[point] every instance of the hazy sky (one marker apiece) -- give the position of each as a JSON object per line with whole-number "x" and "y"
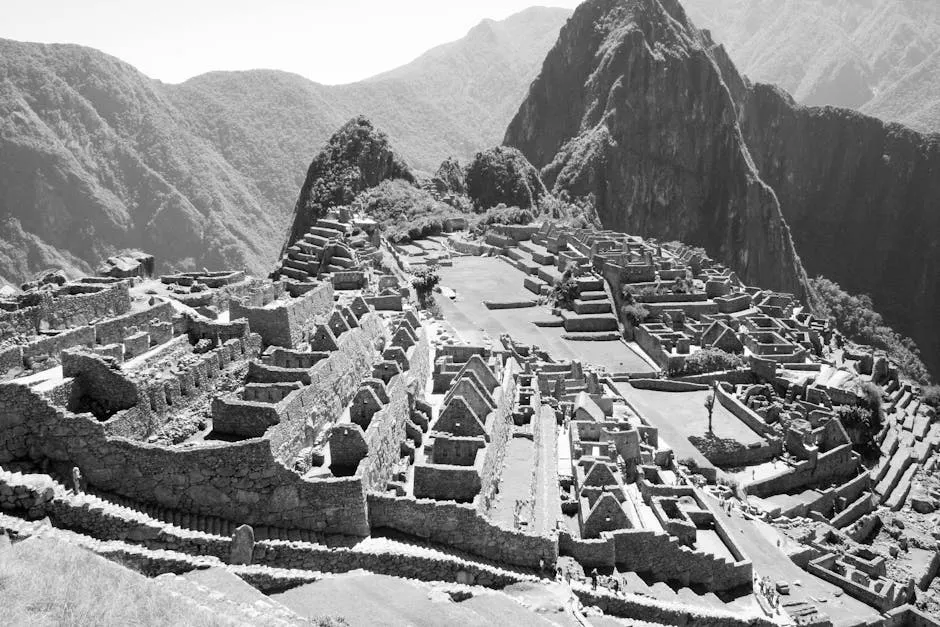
{"x": 329, "y": 41}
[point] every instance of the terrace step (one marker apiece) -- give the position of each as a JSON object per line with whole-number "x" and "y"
{"x": 589, "y": 322}
{"x": 592, "y": 306}
{"x": 590, "y": 284}
{"x": 340, "y": 227}
{"x": 303, "y": 266}
{"x": 325, "y": 232}
{"x": 316, "y": 240}
{"x": 299, "y": 275}
{"x": 534, "y": 284}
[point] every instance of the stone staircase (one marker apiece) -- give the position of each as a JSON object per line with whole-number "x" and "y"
{"x": 635, "y": 584}
{"x": 323, "y": 249}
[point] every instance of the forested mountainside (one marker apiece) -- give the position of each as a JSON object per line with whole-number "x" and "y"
{"x": 95, "y": 157}
{"x": 879, "y": 56}
{"x": 862, "y": 199}
{"x": 630, "y": 107}
{"x": 638, "y": 108}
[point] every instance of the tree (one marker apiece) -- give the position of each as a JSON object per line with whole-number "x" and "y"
{"x": 710, "y": 406}
{"x": 424, "y": 282}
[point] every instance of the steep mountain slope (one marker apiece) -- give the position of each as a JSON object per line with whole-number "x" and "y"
{"x": 357, "y": 157}
{"x": 96, "y": 157}
{"x": 862, "y": 198}
{"x": 850, "y": 53}
{"x": 632, "y": 108}
{"x": 638, "y": 108}
{"x": 93, "y": 158}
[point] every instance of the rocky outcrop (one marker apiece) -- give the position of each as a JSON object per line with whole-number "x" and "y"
{"x": 632, "y": 108}
{"x": 357, "y": 157}
{"x": 862, "y": 198}
{"x": 503, "y": 175}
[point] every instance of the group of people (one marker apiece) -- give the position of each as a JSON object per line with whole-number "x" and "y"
{"x": 610, "y": 583}
{"x": 768, "y": 589}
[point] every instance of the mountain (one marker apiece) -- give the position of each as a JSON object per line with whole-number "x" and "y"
{"x": 358, "y": 156}
{"x": 862, "y": 198}
{"x": 95, "y": 157}
{"x": 640, "y": 109}
{"x": 631, "y": 108}
{"x": 872, "y": 55}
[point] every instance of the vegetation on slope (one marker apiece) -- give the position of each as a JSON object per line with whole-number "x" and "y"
{"x": 403, "y": 211}
{"x": 358, "y": 156}
{"x": 96, "y": 157}
{"x": 873, "y": 55}
{"x": 502, "y": 175}
{"x": 45, "y": 582}
{"x": 855, "y": 317}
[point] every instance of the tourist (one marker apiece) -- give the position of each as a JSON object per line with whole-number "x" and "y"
{"x": 594, "y": 579}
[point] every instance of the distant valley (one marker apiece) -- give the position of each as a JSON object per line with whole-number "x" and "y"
{"x": 95, "y": 157}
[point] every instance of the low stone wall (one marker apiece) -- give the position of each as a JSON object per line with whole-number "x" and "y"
{"x": 641, "y": 608}
{"x": 743, "y": 413}
{"x": 281, "y": 554}
{"x": 667, "y": 385}
{"x": 240, "y": 482}
{"x": 461, "y": 527}
{"x": 385, "y": 303}
{"x": 853, "y": 511}
{"x": 734, "y": 377}
{"x": 30, "y": 495}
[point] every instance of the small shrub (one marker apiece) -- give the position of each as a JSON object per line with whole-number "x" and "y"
{"x": 565, "y": 292}
{"x": 856, "y": 318}
{"x": 708, "y": 360}
{"x": 634, "y": 314}
{"x": 931, "y": 396}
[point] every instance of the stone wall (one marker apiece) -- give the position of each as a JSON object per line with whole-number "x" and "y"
{"x": 500, "y": 435}
{"x": 111, "y": 331}
{"x": 743, "y": 413}
{"x": 839, "y": 463}
{"x": 10, "y": 358}
{"x": 101, "y": 301}
{"x": 331, "y": 385}
{"x": 667, "y": 385}
{"x": 641, "y": 608}
{"x": 663, "y": 557}
{"x": 448, "y": 482}
{"x": 387, "y": 430}
{"x": 461, "y": 527}
{"x": 283, "y": 323}
{"x": 241, "y": 482}
{"x": 53, "y": 345}
{"x": 25, "y": 321}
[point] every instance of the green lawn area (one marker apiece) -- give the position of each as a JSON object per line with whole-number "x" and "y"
{"x": 476, "y": 279}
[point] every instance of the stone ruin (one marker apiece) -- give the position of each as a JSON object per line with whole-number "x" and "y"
{"x": 278, "y": 422}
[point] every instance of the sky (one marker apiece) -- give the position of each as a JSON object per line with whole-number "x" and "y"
{"x": 328, "y": 41}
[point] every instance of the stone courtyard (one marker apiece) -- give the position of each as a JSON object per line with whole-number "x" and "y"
{"x": 530, "y": 428}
